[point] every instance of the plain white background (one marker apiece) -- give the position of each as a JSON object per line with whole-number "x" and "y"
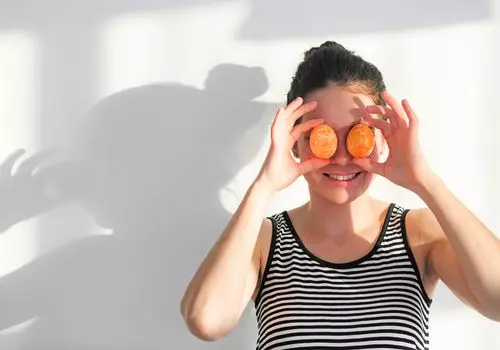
{"x": 144, "y": 122}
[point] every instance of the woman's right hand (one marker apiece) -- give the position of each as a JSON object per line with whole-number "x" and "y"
{"x": 280, "y": 169}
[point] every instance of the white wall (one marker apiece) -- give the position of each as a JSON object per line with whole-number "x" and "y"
{"x": 157, "y": 115}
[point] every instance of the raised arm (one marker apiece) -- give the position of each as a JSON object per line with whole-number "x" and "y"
{"x": 228, "y": 277}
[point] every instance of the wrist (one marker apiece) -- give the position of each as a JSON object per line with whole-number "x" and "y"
{"x": 428, "y": 186}
{"x": 263, "y": 188}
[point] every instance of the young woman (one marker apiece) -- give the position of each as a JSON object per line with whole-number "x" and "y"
{"x": 344, "y": 270}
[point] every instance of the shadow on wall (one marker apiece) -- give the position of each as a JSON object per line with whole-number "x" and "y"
{"x": 151, "y": 161}
{"x": 37, "y": 14}
{"x": 25, "y": 187}
{"x": 324, "y": 17}
{"x": 156, "y": 189}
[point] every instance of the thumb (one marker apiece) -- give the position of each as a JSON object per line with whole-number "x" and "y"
{"x": 370, "y": 165}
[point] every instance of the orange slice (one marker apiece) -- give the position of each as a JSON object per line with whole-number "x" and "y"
{"x": 323, "y": 141}
{"x": 360, "y": 141}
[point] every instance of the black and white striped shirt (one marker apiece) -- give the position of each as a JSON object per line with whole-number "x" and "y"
{"x": 375, "y": 302}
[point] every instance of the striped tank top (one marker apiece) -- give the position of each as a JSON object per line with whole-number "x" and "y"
{"x": 375, "y": 302}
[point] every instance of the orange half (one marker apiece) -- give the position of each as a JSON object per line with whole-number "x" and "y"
{"x": 360, "y": 141}
{"x": 323, "y": 141}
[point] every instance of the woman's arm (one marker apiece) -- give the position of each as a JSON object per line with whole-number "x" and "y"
{"x": 465, "y": 254}
{"x": 226, "y": 280}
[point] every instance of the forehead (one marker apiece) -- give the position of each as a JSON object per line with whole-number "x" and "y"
{"x": 338, "y": 106}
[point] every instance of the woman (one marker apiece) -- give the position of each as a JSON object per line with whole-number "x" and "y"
{"x": 344, "y": 270}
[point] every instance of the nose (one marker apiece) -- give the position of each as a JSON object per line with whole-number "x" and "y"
{"x": 341, "y": 156}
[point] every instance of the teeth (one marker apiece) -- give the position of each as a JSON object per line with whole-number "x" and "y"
{"x": 341, "y": 177}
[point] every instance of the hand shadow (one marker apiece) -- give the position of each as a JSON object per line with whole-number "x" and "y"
{"x": 154, "y": 159}
{"x": 29, "y": 190}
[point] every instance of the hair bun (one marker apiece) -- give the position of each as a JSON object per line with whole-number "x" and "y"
{"x": 327, "y": 45}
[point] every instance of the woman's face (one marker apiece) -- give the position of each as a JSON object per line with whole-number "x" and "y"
{"x": 341, "y": 181}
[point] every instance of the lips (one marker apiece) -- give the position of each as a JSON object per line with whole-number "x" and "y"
{"x": 342, "y": 177}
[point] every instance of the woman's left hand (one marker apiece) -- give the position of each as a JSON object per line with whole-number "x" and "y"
{"x": 405, "y": 165}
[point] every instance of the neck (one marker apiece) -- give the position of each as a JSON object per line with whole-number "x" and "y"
{"x": 331, "y": 219}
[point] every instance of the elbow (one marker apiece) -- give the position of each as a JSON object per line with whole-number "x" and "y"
{"x": 496, "y": 318}
{"x": 494, "y": 313}
{"x": 203, "y": 329}
{"x": 491, "y": 310}
{"x": 493, "y": 306}
{"x": 202, "y": 326}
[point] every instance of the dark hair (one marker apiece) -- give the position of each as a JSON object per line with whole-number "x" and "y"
{"x": 332, "y": 63}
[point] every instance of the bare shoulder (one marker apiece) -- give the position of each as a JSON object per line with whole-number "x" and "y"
{"x": 442, "y": 261}
{"x": 422, "y": 223}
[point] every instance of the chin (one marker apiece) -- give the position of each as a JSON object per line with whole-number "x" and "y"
{"x": 338, "y": 191}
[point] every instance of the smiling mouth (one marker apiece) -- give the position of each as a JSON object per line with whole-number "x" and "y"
{"x": 348, "y": 177}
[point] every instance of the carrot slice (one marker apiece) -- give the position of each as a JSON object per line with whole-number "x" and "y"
{"x": 323, "y": 141}
{"x": 360, "y": 141}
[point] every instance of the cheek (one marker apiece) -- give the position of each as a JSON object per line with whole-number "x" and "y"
{"x": 303, "y": 149}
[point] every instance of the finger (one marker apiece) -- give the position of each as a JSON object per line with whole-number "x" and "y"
{"x": 370, "y": 165}
{"x": 292, "y": 106}
{"x": 412, "y": 116}
{"x": 401, "y": 116}
{"x": 311, "y": 165}
{"x": 387, "y": 114}
{"x": 413, "y": 119}
{"x": 303, "y": 127}
{"x": 8, "y": 164}
{"x": 278, "y": 127}
{"x": 279, "y": 112}
{"x": 299, "y": 112}
{"x": 27, "y": 167}
{"x": 380, "y": 124}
